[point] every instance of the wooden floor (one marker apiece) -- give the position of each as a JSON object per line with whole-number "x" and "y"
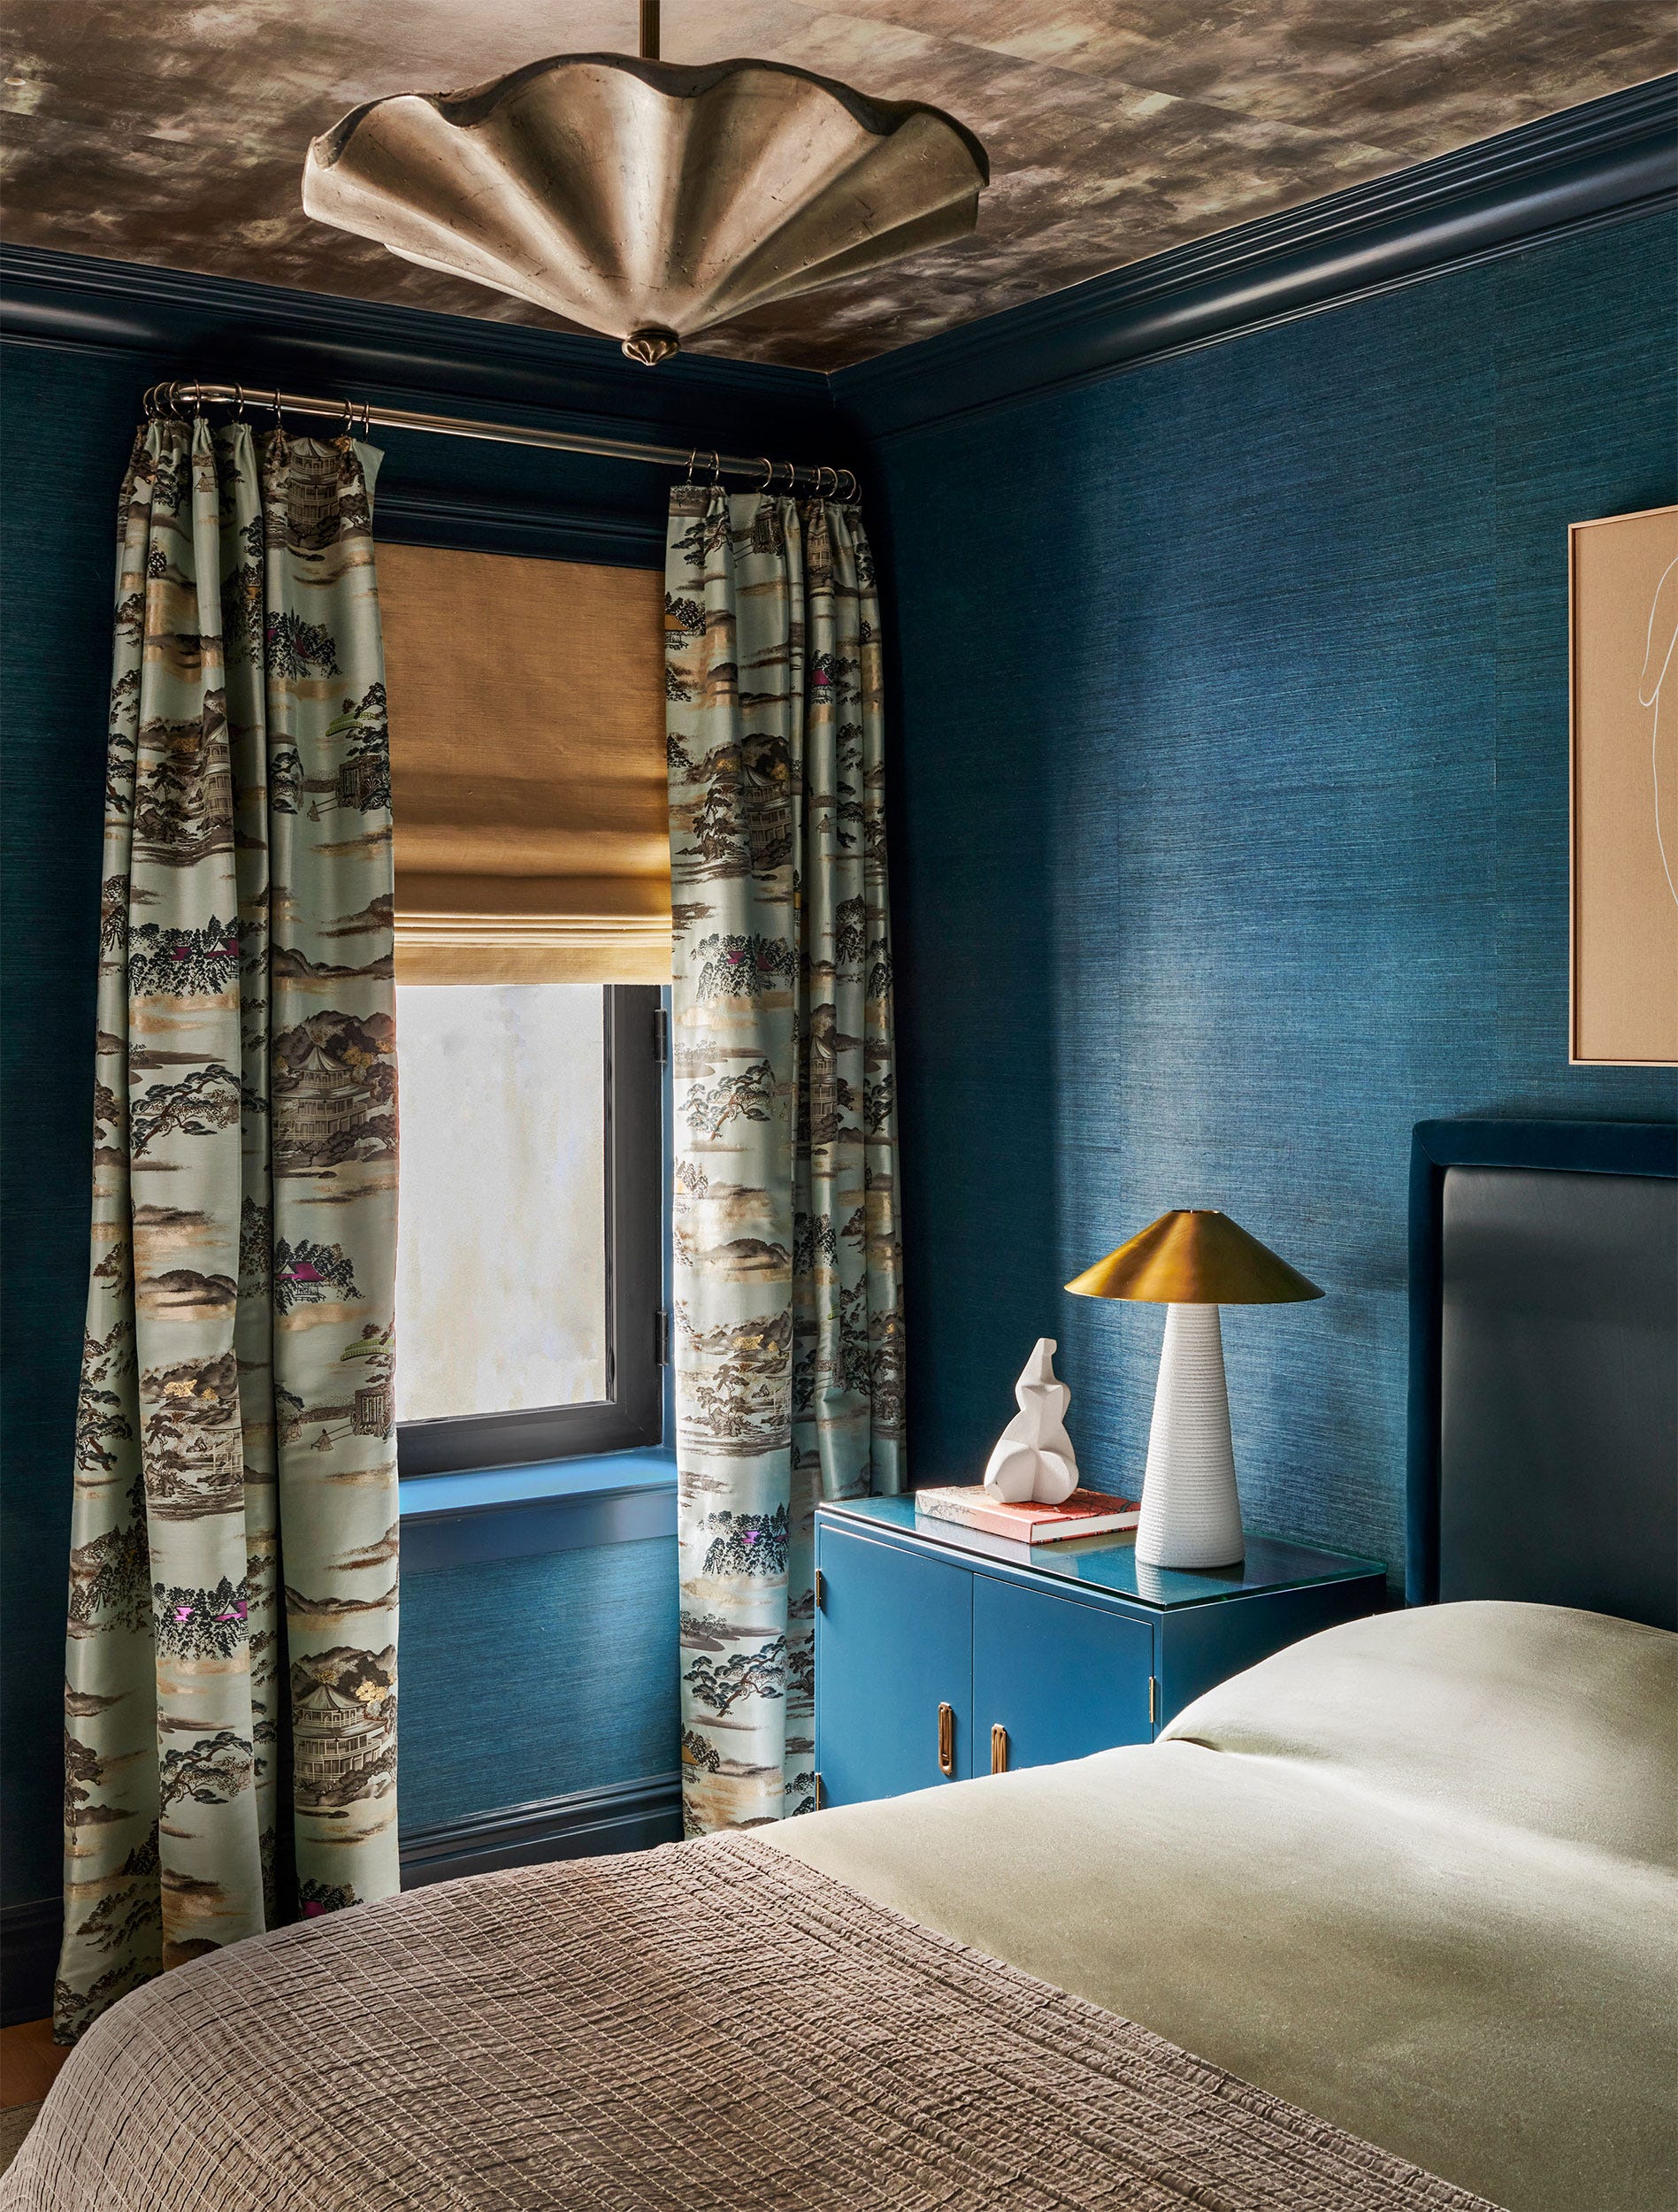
{"x": 29, "y": 2062}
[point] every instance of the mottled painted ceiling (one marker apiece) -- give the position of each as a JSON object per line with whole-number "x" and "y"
{"x": 168, "y": 132}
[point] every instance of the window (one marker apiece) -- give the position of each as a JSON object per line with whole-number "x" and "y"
{"x": 528, "y": 1254}
{"x": 531, "y": 810}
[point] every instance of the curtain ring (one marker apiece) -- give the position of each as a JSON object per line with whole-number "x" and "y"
{"x": 693, "y": 457}
{"x": 717, "y": 469}
{"x": 821, "y": 490}
{"x": 849, "y": 497}
{"x": 348, "y": 430}
{"x": 767, "y": 466}
{"x": 366, "y": 419}
{"x": 239, "y": 403}
{"x": 280, "y": 420}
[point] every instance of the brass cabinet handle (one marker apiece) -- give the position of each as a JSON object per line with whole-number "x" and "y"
{"x": 999, "y": 1748}
{"x": 947, "y": 1740}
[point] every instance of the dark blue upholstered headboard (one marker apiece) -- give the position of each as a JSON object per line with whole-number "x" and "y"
{"x": 1543, "y": 1365}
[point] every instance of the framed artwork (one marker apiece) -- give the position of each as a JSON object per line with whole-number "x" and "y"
{"x": 1623, "y": 577}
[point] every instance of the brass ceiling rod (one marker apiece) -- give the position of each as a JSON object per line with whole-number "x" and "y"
{"x": 710, "y": 464}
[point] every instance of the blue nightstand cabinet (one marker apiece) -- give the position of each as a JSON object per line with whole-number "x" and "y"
{"x": 941, "y": 1652}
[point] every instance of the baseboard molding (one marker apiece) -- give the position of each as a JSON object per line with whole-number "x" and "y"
{"x": 1606, "y": 161}
{"x": 29, "y": 1938}
{"x": 585, "y": 1824}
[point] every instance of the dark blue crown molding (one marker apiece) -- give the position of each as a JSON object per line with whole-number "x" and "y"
{"x": 224, "y": 329}
{"x": 1604, "y": 162}
{"x": 1608, "y": 160}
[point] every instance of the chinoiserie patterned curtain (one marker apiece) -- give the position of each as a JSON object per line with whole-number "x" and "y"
{"x": 230, "y": 1691}
{"x": 789, "y": 1348}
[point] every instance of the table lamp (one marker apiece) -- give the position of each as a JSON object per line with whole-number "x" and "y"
{"x": 1192, "y": 1261}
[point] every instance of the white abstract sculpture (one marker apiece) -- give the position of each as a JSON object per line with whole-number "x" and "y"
{"x": 1033, "y": 1461}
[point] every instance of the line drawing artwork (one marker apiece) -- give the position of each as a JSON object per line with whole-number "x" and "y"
{"x": 1657, "y": 663}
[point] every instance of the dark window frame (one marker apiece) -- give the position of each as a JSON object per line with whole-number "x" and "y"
{"x": 632, "y": 1414}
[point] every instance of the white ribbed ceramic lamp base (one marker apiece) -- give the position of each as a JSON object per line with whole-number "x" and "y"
{"x": 1190, "y": 1512}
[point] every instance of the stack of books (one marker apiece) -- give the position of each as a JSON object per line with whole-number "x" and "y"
{"x": 1085, "y": 1513}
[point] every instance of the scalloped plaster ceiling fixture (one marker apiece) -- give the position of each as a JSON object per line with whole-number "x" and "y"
{"x": 645, "y": 200}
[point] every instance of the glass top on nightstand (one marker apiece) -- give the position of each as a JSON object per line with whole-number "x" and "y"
{"x": 1109, "y": 1563}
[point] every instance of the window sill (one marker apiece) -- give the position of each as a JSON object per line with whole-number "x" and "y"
{"x": 517, "y": 1512}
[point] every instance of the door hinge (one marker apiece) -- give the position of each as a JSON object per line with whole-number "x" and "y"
{"x": 661, "y": 1337}
{"x": 660, "y": 1035}
{"x": 1153, "y": 1701}
{"x": 821, "y": 1590}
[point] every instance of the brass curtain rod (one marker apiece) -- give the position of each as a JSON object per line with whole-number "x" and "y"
{"x": 703, "y": 459}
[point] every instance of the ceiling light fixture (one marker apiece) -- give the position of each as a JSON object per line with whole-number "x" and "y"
{"x": 645, "y": 199}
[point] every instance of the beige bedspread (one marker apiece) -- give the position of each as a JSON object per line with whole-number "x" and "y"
{"x": 711, "y": 2025}
{"x": 1416, "y": 1874}
{"x": 1416, "y": 1877}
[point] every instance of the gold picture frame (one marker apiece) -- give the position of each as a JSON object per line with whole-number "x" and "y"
{"x": 1622, "y": 611}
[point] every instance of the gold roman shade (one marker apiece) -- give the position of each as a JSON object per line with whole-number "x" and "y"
{"x": 527, "y": 768}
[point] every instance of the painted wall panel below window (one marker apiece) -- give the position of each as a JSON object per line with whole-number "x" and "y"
{"x": 525, "y": 1679}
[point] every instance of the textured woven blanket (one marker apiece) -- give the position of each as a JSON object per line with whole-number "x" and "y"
{"x": 712, "y": 2024}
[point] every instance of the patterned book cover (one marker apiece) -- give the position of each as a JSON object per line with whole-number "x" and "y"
{"x": 1085, "y": 1513}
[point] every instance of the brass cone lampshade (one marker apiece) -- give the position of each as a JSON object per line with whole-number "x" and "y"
{"x": 1195, "y": 1257}
{"x": 1192, "y": 1261}
{"x": 643, "y": 199}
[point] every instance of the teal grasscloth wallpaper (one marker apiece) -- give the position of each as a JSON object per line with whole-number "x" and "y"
{"x": 1230, "y": 705}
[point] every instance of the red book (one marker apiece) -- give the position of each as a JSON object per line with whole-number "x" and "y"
{"x": 1085, "y": 1513}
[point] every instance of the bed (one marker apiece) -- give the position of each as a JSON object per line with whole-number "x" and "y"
{"x": 1391, "y": 1920}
